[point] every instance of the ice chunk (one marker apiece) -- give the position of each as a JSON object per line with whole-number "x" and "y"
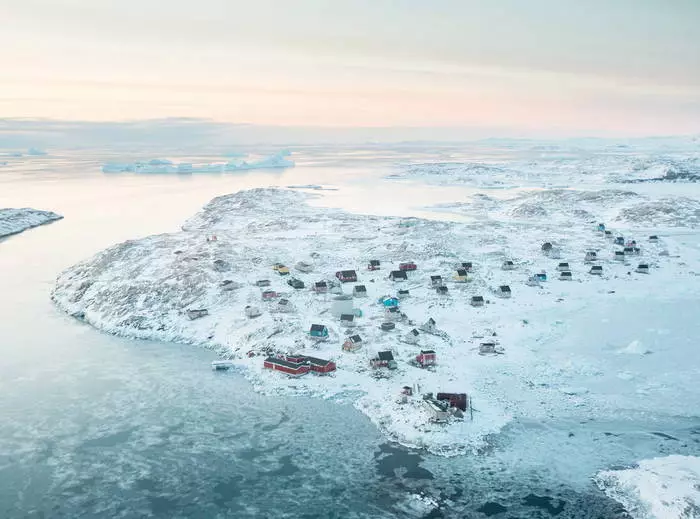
{"x": 13, "y": 221}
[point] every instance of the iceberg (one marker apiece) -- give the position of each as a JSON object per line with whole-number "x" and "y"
{"x": 14, "y": 221}
{"x": 278, "y": 160}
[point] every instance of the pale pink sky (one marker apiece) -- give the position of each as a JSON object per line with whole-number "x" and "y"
{"x": 632, "y": 68}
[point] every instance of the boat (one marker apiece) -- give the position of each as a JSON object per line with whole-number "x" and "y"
{"x": 221, "y": 365}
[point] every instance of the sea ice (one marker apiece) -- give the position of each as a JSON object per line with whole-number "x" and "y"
{"x": 13, "y": 221}
{"x": 279, "y": 160}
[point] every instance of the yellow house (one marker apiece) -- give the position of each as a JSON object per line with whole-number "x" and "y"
{"x": 461, "y": 276}
{"x": 283, "y": 271}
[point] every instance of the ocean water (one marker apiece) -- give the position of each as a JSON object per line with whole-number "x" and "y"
{"x": 99, "y": 426}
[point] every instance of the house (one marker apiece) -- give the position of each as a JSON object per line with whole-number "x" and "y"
{"x": 619, "y": 256}
{"x": 591, "y": 256}
{"x": 197, "y": 314}
{"x": 252, "y": 312}
{"x": 293, "y": 369}
{"x": 295, "y": 283}
{"x": 352, "y": 343}
{"x": 277, "y": 266}
{"x": 438, "y": 410}
{"x": 387, "y": 326}
{"x": 563, "y": 266}
{"x": 320, "y": 366}
{"x": 503, "y": 291}
{"x": 629, "y": 251}
{"x": 392, "y": 313}
{"x": 426, "y": 358}
{"x": 457, "y": 400}
{"x": 601, "y": 227}
{"x": 412, "y": 337}
{"x": 384, "y": 359}
{"x": 407, "y": 266}
{"x": 320, "y": 287}
{"x": 442, "y": 290}
{"x": 318, "y": 330}
{"x": 359, "y": 291}
{"x": 608, "y": 234}
{"x": 654, "y": 238}
{"x": 388, "y": 301}
{"x": 466, "y": 265}
{"x": 283, "y": 271}
{"x": 487, "y": 348}
{"x": 533, "y": 281}
{"x": 398, "y": 275}
{"x": 508, "y": 265}
{"x": 303, "y": 266}
{"x": 642, "y": 268}
{"x": 407, "y": 390}
{"x": 346, "y": 276}
{"x": 620, "y": 240}
{"x": 477, "y": 301}
{"x": 268, "y": 295}
{"x": 347, "y": 320}
{"x": 429, "y": 326}
{"x": 285, "y": 306}
{"x": 373, "y": 265}
{"x": 461, "y": 276}
{"x": 565, "y": 276}
{"x": 435, "y": 281}
{"x": 262, "y": 283}
{"x": 542, "y": 275}
{"x": 403, "y": 294}
{"x": 596, "y": 270}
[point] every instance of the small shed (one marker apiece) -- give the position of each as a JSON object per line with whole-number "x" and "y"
{"x": 212, "y": 237}
{"x": 303, "y": 266}
{"x": 229, "y": 285}
{"x": 384, "y": 359}
{"x": 590, "y": 257}
{"x": 389, "y": 301}
{"x": 565, "y": 275}
{"x": 466, "y": 265}
{"x": 387, "y": 326}
{"x": 320, "y": 287}
{"x": 403, "y": 294}
{"x": 461, "y": 276}
{"x": 398, "y": 275}
{"x": 629, "y": 251}
{"x": 373, "y": 265}
{"x": 296, "y": 283}
{"x": 563, "y": 267}
{"x": 285, "y": 306}
{"x": 435, "y": 281}
{"x": 429, "y": 326}
{"x": 252, "y": 312}
{"x": 293, "y": 369}
{"x": 268, "y": 295}
{"x": 359, "y": 291}
{"x": 542, "y": 275}
{"x": 486, "y": 348}
{"x": 262, "y": 283}
{"x": 318, "y": 330}
{"x": 442, "y": 290}
{"x": 619, "y": 256}
{"x": 596, "y": 270}
{"x": 654, "y": 238}
{"x": 619, "y": 240}
{"x": 642, "y": 268}
{"x": 608, "y": 234}
{"x": 426, "y": 358}
{"x": 346, "y": 276}
{"x": 508, "y": 265}
{"x": 503, "y": 291}
{"x": 347, "y": 320}
{"x": 408, "y": 266}
{"x": 352, "y": 343}
{"x": 477, "y": 301}
{"x": 283, "y": 271}
{"x": 601, "y": 227}
{"x": 412, "y": 337}
{"x": 197, "y": 313}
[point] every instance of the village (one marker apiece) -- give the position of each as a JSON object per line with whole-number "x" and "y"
{"x": 426, "y": 326}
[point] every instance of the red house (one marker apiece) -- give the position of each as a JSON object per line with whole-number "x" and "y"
{"x": 321, "y": 365}
{"x": 293, "y": 369}
{"x": 458, "y": 400}
{"x": 426, "y": 358}
{"x": 346, "y": 276}
{"x": 407, "y": 266}
{"x": 270, "y": 294}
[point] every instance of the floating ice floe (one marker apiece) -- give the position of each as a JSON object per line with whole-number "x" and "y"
{"x": 13, "y": 221}
{"x": 279, "y": 160}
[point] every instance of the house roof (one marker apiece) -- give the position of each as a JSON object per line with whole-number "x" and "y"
{"x": 385, "y": 355}
{"x": 317, "y": 327}
{"x": 461, "y": 272}
{"x": 347, "y": 317}
{"x": 508, "y": 262}
{"x": 466, "y": 264}
{"x": 392, "y": 309}
{"x": 504, "y": 288}
{"x": 477, "y": 298}
{"x": 283, "y": 302}
{"x": 435, "y": 277}
{"x": 283, "y": 362}
{"x": 374, "y": 262}
{"x": 619, "y": 253}
{"x": 597, "y": 267}
{"x": 431, "y": 320}
{"x": 427, "y": 352}
{"x": 321, "y": 284}
{"x": 643, "y": 265}
{"x": 355, "y": 338}
{"x": 316, "y": 361}
{"x": 348, "y": 273}
{"x": 360, "y": 288}
{"x": 403, "y": 291}
{"x": 398, "y": 274}
{"x": 414, "y": 332}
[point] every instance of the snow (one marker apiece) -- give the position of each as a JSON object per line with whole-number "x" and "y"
{"x": 278, "y": 160}
{"x": 143, "y": 289}
{"x": 13, "y": 221}
{"x": 659, "y": 488}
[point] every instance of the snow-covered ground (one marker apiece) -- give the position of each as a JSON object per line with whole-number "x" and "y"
{"x": 13, "y": 221}
{"x": 659, "y": 488}
{"x": 278, "y": 160}
{"x": 143, "y": 288}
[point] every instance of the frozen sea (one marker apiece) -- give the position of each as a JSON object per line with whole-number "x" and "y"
{"x": 98, "y": 426}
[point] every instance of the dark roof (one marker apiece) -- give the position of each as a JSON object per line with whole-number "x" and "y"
{"x": 283, "y": 302}
{"x": 628, "y": 249}
{"x": 347, "y": 317}
{"x": 392, "y": 309}
{"x": 398, "y": 274}
{"x": 316, "y": 361}
{"x": 608, "y": 232}
{"x": 355, "y": 338}
{"x": 427, "y": 351}
{"x": 388, "y": 326}
{"x": 431, "y": 320}
{"x": 564, "y": 264}
{"x": 283, "y": 362}
{"x": 597, "y": 267}
{"x": 653, "y": 236}
{"x": 566, "y": 274}
{"x": 508, "y": 262}
{"x": 403, "y": 291}
{"x": 461, "y": 272}
{"x": 374, "y": 262}
{"x": 643, "y": 265}
{"x": 317, "y": 327}
{"x": 385, "y": 355}
{"x": 477, "y": 298}
{"x": 414, "y": 332}
{"x": 467, "y": 264}
{"x": 360, "y": 288}
{"x": 505, "y": 288}
{"x": 348, "y": 273}
{"x": 619, "y": 253}
{"x": 546, "y": 246}
{"x": 321, "y": 284}
{"x": 435, "y": 277}
{"x": 442, "y": 288}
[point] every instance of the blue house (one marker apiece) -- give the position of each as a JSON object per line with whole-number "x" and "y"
{"x": 318, "y": 330}
{"x": 601, "y": 227}
{"x": 389, "y": 302}
{"x": 542, "y": 276}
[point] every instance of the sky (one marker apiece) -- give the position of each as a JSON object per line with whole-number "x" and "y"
{"x": 529, "y": 67}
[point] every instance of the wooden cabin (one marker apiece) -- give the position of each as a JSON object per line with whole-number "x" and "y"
{"x": 596, "y": 270}
{"x": 293, "y": 369}
{"x": 318, "y": 330}
{"x": 426, "y": 358}
{"x": 384, "y": 359}
{"x": 346, "y": 276}
{"x": 373, "y": 265}
{"x": 566, "y": 276}
{"x": 359, "y": 291}
{"x": 503, "y": 291}
{"x": 408, "y": 266}
{"x": 477, "y": 301}
{"x": 352, "y": 343}
{"x": 252, "y": 312}
{"x": 435, "y": 281}
{"x": 642, "y": 268}
{"x": 398, "y": 275}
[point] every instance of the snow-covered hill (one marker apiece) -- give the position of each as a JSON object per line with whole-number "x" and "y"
{"x": 13, "y": 221}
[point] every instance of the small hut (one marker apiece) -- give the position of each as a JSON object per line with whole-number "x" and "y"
{"x": 654, "y": 238}
{"x": 412, "y": 337}
{"x": 320, "y": 287}
{"x": 285, "y": 306}
{"x": 435, "y": 281}
{"x": 503, "y": 291}
{"x": 403, "y": 294}
{"x": 466, "y": 265}
{"x": 262, "y": 283}
{"x": 346, "y": 276}
{"x": 620, "y": 240}
{"x": 590, "y": 257}
{"x": 373, "y": 265}
{"x": 352, "y": 343}
{"x": 508, "y": 265}
{"x": 596, "y": 270}
{"x": 408, "y": 266}
{"x": 546, "y": 247}
{"x": 384, "y": 359}
{"x": 398, "y": 275}
{"x": 563, "y": 267}
{"x": 426, "y": 358}
{"x": 303, "y": 266}
{"x": 608, "y": 235}
{"x": 429, "y": 326}
{"x": 486, "y": 348}
{"x": 392, "y": 313}
{"x": 347, "y": 320}
{"x": 477, "y": 301}
{"x": 619, "y": 256}
{"x": 642, "y": 268}
{"x": 252, "y": 312}
{"x": 442, "y": 290}
{"x": 359, "y": 291}
{"x": 461, "y": 276}
{"x": 542, "y": 275}
{"x": 533, "y": 281}
{"x": 565, "y": 276}
{"x": 268, "y": 295}
{"x": 318, "y": 331}
{"x": 437, "y": 410}
{"x": 388, "y": 301}
{"x": 197, "y": 313}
